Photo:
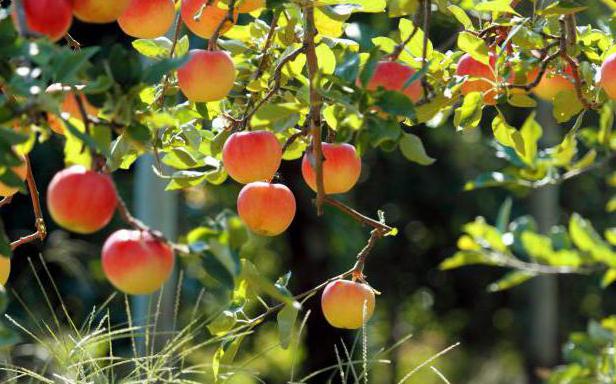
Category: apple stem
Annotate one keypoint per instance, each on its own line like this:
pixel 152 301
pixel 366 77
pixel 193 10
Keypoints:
pixel 22 26
pixel 213 43
pixel 315 102
pixel 39 222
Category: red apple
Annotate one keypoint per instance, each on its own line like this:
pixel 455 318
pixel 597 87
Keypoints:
pixel 21 171
pixel 210 17
pixel 80 200
pixel 51 18
pixel 206 76
pixel 607 78
pixel 347 304
pixel 393 76
pixel 552 82
pixel 252 156
pixel 136 262
pixel 482 77
pixel 147 19
pixel 99 11
pixel 266 209
pixel 341 168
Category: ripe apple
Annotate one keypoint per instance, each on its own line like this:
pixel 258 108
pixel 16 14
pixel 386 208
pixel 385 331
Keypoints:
pixel 252 156
pixel 347 304
pixel 482 77
pixel 211 15
pixel 341 168
pixel 136 262
pixel 607 78
pixel 51 18
pixel 267 209
pixel 80 200
pixel 552 82
pixel 69 106
pixel 99 11
pixel 147 19
pixel 393 76
pixel 206 76
pixel 5 269
pixel 247 6
pixel 21 171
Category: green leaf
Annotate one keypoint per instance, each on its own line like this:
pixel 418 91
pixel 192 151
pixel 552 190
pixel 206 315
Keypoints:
pixel 606 121
pixel 66 66
pixel 474 46
pixel 413 149
pixel 608 278
pixel 468 115
pixel 462 17
pixel 504 215
pixel 157 48
pixel 463 258
pixel 156 71
pixel 258 281
pixel 286 319
pixel 500 6
pixel 490 179
pixel 562 7
pixel 531 132
pixel 566 105
pixel 397 8
pixel 395 103
pixel 510 280
pixel 588 240
pixel 508 135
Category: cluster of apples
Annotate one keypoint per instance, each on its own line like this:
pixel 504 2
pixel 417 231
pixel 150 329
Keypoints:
pixel 144 19
pixel 267 208
pixel 84 202
pixel 482 78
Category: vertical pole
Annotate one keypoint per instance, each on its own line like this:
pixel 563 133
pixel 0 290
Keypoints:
pixel 158 209
pixel 543 290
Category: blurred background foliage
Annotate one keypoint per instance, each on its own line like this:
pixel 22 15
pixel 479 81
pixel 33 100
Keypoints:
pixel 427 204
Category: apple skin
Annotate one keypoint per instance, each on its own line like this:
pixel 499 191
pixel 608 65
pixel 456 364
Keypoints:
pixel 80 200
pixel 5 269
pixel 136 262
pixel 51 18
pixel 211 16
pixel 467 66
pixel 248 6
pixel 341 168
pixel 21 171
pixel 99 11
pixel 147 19
pixel 252 156
pixel 343 303
pixel 267 209
pixel 206 76
pixel 607 78
pixel 392 76
pixel 69 106
pixel 552 83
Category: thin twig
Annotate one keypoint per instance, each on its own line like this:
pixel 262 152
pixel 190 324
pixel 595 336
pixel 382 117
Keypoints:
pixel 427 16
pixel 165 83
pixel 229 17
pixel 39 222
pixel 357 216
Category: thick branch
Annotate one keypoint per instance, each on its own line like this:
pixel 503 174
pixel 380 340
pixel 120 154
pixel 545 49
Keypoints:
pixel 6 200
pixel 315 103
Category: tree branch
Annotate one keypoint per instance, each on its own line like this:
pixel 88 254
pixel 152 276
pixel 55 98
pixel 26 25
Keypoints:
pixel 357 216
pixel 39 222
pixel 213 43
pixel 315 102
